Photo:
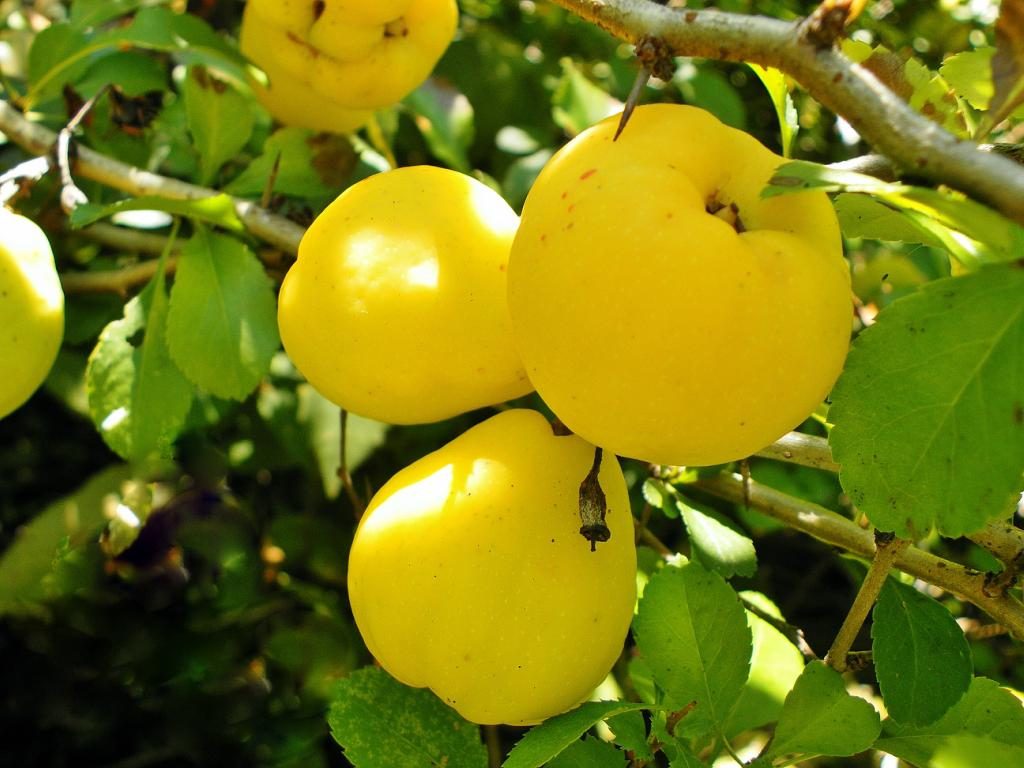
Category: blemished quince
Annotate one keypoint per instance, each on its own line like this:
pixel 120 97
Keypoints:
pixel 31 309
pixel 663 309
pixel 468 574
pixel 396 308
pixel 330 63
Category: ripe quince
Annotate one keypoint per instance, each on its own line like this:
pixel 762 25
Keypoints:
pixel 332 62
pixel 666 311
pixel 396 307
pixel 31 309
pixel 468 574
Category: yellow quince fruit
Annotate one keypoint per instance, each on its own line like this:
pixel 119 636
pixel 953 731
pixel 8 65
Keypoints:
pixel 31 309
pixel 666 311
pixel 468 573
pixel 396 307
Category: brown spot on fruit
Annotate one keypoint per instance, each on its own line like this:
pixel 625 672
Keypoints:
pixel 318 9
pixel 587 174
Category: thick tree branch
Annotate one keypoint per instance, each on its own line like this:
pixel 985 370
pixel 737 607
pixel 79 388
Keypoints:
pixel 880 116
pixel 1002 539
pixel 275 230
pixel 832 528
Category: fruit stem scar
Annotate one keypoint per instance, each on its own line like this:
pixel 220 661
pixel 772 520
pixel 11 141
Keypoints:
pixel 319 6
pixel 593 505
pixel 396 28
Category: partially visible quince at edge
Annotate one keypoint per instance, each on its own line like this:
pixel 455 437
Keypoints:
pixel 331 63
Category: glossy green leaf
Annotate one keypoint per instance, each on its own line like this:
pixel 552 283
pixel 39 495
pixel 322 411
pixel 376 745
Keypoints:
pixel 445 118
pixel 590 753
pixel 789 121
pixel 222 327
pixel 630 732
pixel 937 210
pixel 577 103
pixel 71 522
pixel 775 666
pixel 717 546
pixel 219 120
pixel 86 14
pixel 928 412
pixel 680 756
pixel 309 165
pixel 59 55
pixel 542 743
pixel 969 751
pixel 381 723
pixel 684 614
pixel 134 73
pixel 922 659
pixel 865 216
pixel 218 210
pixel 986 710
pixel 821 718
pixel 138 398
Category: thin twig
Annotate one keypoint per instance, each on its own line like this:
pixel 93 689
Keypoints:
pixel 832 528
pixel 28 172
pixel 71 196
pixel 795 635
pixel 1002 539
pixel 494 754
pixel 885 120
pixel 120 281
pixel 275 230
pixel 358 505
pixel 887 549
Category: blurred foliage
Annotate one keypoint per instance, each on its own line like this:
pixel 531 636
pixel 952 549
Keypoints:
pixel 195 615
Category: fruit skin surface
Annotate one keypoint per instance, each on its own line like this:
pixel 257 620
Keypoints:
pixel 468 574
pixel 657 330
pixel 31 309
pixel 332 62
pixel 396 308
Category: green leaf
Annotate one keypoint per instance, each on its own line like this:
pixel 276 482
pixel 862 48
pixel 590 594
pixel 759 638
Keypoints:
pixel 693 632
pixel 680 756
pixel 311 165
pixel 71 522
pixel 445 118
pixel 86 14
pixel 218 210
pixel 138 398
pixel 716 546
pixel 928 412
pixel 922 659
pixel 986 710
pixel 864 216
pixel 630 732
pixel 577 103
pixel 590 753
pixel 219 120
pixel 542 743
pixel 381 723
pixel 134 73
pixel 821 718
pixel 789 121
pixel 59 54
pixel 222 327
pixel 656 493
pixel 322 420
pixel 970 75
pixel 969 751
pixel 775 666
pixel 941 211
